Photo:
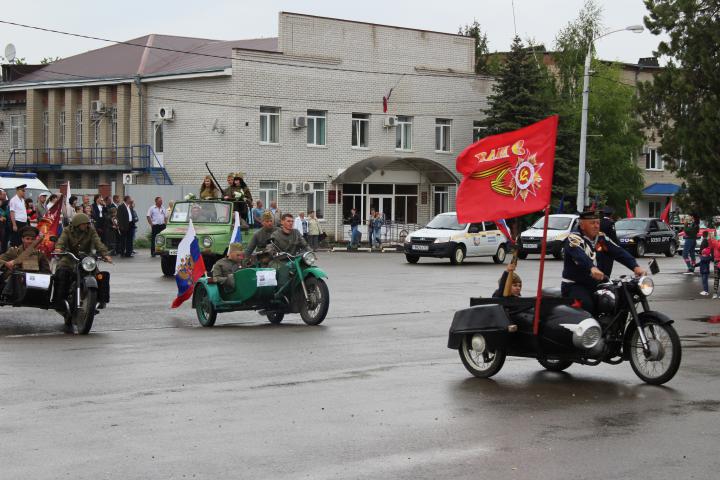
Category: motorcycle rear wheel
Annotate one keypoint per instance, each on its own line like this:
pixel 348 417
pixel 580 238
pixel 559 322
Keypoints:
pixel 555 365
pixel 314 313
pixel 204 309
pixel 482 365
pixel 666 340
pixel 84 315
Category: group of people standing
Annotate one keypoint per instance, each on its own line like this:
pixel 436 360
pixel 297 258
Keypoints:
pixel 374 223
pixel 709 254
pixel 114 220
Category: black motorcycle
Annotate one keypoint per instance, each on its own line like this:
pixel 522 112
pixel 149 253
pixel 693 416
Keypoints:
pixel 494 328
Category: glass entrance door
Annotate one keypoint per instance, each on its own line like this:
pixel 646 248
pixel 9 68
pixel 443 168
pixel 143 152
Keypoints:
pixel 382 203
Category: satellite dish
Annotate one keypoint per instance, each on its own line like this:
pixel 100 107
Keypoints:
pixel 10 53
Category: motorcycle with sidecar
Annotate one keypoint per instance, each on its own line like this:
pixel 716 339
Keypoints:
pixel 493 328
pixel 258 288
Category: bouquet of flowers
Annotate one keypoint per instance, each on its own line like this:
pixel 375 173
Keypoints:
pixel 190 196
pixel 239 195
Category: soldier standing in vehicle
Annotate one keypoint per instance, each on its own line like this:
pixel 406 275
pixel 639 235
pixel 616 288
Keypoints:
pixel 223 272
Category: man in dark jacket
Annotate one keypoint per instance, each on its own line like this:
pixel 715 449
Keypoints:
pixel 607 226
pixel 124 217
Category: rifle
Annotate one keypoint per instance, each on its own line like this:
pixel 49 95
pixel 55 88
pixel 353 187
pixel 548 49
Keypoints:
pixel 24 255
pixel 222 192
pixel 508 281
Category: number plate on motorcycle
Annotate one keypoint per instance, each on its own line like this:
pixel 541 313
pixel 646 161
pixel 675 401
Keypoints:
pixel 37 280
pixel 422 248
pixel 172 252
pixel 266 278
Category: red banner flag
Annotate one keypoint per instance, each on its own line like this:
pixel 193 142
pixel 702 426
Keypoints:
pixel 50 226
pixel 628 212
pixel 507 175
pixel 666 213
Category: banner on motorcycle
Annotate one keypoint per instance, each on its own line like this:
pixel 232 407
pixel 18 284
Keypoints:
pixel 50 226
pixel 189 266
pixel 507 175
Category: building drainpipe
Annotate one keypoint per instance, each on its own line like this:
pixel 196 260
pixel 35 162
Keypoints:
pixel 336 213
pixel 138 83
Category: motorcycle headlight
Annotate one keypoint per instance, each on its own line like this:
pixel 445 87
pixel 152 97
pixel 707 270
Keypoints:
pixel 442 240
pixel 207 242
pixel 159 240
pixel 309 258
pixel 646 286
pixel 88 264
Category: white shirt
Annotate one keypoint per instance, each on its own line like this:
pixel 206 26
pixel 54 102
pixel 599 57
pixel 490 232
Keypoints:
pixel 158 215
pixel 17 205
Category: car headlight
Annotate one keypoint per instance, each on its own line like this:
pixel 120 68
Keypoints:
pixel 159 240
pixel 207 242
pixel 309 258
pixel 408 239
pixel 88 264
pixel 442 240
pixel 646 286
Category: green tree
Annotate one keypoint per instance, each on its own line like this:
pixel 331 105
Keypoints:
pixel 482 64
pixel 49 60
pixel 682 102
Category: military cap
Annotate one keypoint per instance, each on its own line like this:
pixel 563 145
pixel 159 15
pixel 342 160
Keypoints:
pixel 590 215
pixel 29 232
pixel 21 187
pixel 235 247
pixel 267 215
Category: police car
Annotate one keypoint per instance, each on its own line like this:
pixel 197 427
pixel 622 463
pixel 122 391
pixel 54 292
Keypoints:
pixel 444 237
pixel 33 185
pixel 559 227
pixel 646 235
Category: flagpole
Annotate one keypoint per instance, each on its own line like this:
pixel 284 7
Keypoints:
pixel 538 300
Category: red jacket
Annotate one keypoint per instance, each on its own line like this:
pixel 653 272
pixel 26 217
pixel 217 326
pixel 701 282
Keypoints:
pixel 714 247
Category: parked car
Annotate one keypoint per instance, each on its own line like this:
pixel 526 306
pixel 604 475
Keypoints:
pixel 646 235
pixel 559 226
pixel 10 180
pixel 444 237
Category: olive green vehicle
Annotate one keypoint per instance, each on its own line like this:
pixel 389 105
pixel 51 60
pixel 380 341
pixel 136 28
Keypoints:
pixel 213 221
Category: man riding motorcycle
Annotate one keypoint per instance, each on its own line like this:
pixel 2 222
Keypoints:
pixel 286 239
pixel 587 251
pixel 78 237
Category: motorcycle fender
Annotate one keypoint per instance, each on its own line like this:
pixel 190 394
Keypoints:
pixel 479 319
pixel 314 272
pixel 90 282
pixel 644 318
pixel 212 291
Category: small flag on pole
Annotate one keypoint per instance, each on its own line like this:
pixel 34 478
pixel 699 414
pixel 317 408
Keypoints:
pixel 236 236
pixel 189 266
pixel 503 227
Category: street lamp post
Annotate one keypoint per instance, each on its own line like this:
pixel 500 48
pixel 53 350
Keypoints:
pixel 584 115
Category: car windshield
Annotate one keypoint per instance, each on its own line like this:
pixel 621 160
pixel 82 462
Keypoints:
pixel 201 212
pixel 554 223
pixel 631 224
pixel 446 222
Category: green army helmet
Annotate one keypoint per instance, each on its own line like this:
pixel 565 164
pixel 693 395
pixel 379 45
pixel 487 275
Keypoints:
pixel 78 219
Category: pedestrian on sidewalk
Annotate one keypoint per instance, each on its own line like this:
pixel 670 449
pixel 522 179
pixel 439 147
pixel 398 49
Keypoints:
pixel 691 229
pixel 354 232
pixel 377 225
pixel 714 245
pixel 157 218
pixel 313 230
pixel 704 264
pixel 370 221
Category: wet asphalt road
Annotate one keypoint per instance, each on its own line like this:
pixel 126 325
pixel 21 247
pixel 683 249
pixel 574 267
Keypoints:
pixel 372 393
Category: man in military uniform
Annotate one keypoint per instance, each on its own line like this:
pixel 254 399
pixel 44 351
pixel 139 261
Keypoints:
pixel 24 257
pixel 223 272
pixel 78 237
pixel 261 237
pixel 587 252
pixel 286 239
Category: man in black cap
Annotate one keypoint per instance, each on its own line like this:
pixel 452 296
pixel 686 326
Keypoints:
pixel 586 250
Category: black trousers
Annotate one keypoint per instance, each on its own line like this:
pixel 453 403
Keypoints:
pixel 155 229
pixel 15 238
pixel 581 293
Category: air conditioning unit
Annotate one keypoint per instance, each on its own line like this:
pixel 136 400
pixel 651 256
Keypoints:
pixel 97 106
pixel 129 179
pixel 289 187
pixel 307 187
pixel 390 121
pixel 299 122
pixel 165 113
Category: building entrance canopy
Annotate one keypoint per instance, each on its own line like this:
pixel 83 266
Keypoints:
pixel 433 171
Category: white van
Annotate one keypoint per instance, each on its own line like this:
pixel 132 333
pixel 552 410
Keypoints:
pixel 444 237
pixel 559 227
pixel 10 180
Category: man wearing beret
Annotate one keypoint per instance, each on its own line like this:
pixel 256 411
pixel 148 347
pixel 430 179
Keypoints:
pixel 587 252
pixel 25 258
pixel 223 272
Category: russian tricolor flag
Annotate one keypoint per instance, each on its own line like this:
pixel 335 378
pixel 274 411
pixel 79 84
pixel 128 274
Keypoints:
pixel 236 236
pixel 503 227
pixel 189 266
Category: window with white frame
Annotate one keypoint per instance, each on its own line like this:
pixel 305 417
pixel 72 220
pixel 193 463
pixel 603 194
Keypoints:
pixel 442 134
pixel 78 129
pixel 61 129
pixel 360 130
pixel 441 197
pixel 46 129
pixel 654 209
pixel 316 120
pixel 268 192
pixel 158 137
pixel 316 200
pixel 269 125
pixel 653 161
pixel 478 131
pixel 17 131
pixel 403 133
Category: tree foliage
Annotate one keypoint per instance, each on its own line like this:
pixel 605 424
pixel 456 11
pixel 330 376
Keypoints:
pixel 682 102
pixel 482 63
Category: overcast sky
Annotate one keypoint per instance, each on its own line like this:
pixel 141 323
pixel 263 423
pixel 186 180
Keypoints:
pixel 539 20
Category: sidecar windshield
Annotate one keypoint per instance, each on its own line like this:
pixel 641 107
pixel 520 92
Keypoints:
pixel 201 212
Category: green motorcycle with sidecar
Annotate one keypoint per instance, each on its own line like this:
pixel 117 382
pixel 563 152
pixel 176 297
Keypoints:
pixel 302 289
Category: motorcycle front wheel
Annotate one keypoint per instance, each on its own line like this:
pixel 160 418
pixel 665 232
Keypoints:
pixel 481 364
pixel 313 311
pixel 84 315
pixel 661 363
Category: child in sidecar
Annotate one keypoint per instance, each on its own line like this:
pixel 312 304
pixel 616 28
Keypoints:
pixel 516 289
pixel 18 260
pixel 223 272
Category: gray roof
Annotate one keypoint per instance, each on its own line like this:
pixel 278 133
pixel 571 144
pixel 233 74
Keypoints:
pixel 126 61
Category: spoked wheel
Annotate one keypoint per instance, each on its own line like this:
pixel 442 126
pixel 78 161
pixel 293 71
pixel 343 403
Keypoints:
pixel 204 309
pixel 662 361
pixel 84 315
pixel 500 255
pixel 555 365
pixel 313 311
pixel 458 256
pixel 275 317
pixel 478 359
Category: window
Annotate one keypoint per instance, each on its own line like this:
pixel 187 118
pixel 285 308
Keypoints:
pixel 478 131
pixel 316 200
pixel 61 129
pixel 442 134
pixel 17 131
pixel 654 209
pixel 406 201
pixel 78 129
pixel 113 128
pixel 316 127
pixel 653 160
pixel 360 130
pixel 440 199
pixel 269 125
pixel 403 133
pixel 268 192
pixel 158 137
pixel 46 129
pixel 351 198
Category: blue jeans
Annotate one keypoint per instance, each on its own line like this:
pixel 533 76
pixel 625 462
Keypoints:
pixel 689 253
pixel 705 277
pixel 354 236
pixel 376 235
